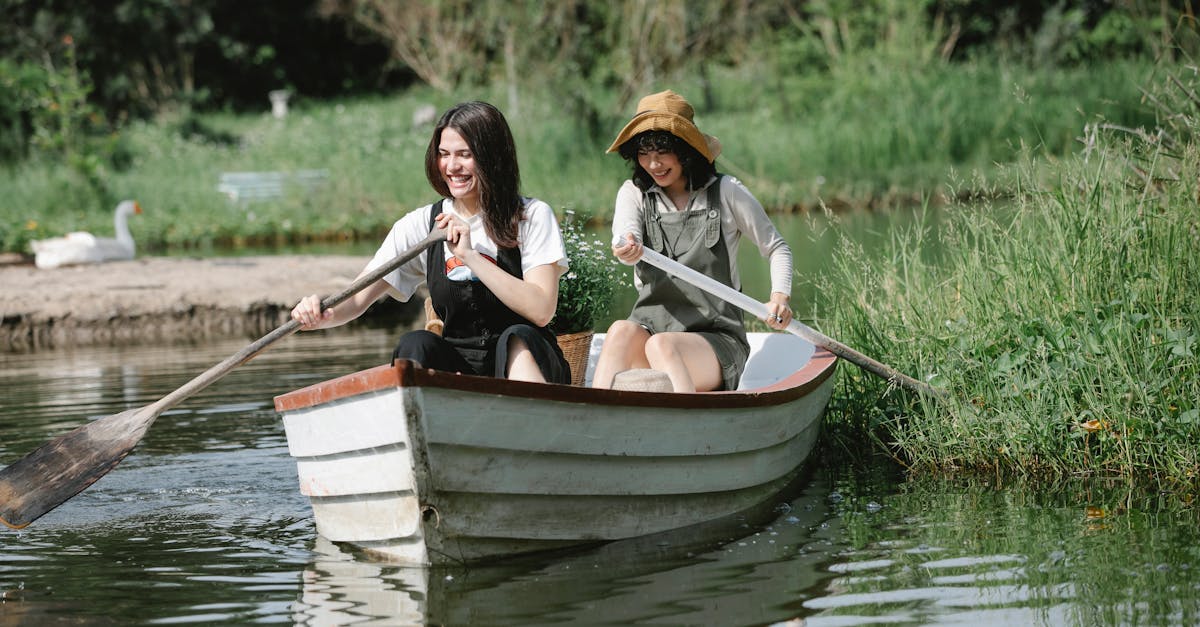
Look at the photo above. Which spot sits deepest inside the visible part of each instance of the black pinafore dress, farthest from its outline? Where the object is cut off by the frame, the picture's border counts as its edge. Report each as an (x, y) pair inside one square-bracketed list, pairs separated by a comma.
[(476, 321)]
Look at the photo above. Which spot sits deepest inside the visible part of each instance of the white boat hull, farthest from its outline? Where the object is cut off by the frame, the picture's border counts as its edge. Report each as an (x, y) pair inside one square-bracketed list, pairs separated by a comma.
[(424, 467)]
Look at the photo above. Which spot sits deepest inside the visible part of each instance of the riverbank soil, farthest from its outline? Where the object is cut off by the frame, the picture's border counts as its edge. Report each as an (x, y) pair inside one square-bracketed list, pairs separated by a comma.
[(156, 299)]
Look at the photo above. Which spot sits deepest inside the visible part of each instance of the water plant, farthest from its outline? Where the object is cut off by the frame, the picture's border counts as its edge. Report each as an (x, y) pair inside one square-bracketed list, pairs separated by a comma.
[(1064, 323)]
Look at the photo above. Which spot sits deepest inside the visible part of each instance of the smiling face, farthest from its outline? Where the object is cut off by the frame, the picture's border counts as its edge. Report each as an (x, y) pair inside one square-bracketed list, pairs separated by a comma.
[(456, 163), (664, 167)]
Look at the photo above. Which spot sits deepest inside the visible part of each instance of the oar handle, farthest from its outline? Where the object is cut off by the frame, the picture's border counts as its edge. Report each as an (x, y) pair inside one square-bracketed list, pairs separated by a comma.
[(734, 297), (206, 378)]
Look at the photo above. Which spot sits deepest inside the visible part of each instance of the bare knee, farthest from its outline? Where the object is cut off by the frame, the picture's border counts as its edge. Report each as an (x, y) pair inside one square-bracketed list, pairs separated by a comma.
[(623, 330), (516, 344), (622, 349), (661, 349), (521, 364), (627, 338)]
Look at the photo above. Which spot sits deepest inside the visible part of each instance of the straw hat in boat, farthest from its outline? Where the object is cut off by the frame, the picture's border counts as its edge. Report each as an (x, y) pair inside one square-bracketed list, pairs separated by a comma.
[(642, 380)]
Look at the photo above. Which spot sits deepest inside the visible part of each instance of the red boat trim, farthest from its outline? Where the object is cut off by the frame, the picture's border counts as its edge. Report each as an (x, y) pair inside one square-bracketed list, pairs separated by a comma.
[(404, 373)]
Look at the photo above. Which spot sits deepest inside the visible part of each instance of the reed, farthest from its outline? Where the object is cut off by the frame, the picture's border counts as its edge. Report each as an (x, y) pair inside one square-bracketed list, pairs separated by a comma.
[(874, 134), (1063, 323)]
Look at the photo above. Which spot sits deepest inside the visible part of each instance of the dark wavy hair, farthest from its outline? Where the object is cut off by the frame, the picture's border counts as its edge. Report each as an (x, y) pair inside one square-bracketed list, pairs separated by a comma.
[(496, 172), (696, 168)]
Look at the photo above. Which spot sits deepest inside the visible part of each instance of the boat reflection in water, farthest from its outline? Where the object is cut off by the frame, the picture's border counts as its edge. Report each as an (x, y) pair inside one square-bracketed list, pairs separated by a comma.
[(724, 572)]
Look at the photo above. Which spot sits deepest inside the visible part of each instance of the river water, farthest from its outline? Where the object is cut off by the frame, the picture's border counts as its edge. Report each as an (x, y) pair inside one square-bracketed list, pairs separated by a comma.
[(204, 524)]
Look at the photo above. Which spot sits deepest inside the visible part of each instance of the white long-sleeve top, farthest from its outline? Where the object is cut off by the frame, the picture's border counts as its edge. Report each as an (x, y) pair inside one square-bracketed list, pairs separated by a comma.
[(742, 215)]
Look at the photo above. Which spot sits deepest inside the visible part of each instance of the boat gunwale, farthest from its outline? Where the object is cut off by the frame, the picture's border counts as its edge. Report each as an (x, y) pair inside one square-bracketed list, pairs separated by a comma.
[(406, 373)]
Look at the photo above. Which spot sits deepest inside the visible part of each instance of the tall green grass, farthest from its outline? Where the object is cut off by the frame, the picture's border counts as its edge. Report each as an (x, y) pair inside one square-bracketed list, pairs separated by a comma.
[(868, 134), (1063, 325)]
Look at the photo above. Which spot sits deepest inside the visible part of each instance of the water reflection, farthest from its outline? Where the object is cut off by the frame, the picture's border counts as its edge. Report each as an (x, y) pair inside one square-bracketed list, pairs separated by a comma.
[(1024, 553), (50, 392), (725, 573), (204, 523)]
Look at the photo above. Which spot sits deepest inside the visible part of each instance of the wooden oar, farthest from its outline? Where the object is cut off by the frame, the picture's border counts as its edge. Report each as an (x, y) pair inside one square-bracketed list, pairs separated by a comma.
[(66, 465), (734, 297)]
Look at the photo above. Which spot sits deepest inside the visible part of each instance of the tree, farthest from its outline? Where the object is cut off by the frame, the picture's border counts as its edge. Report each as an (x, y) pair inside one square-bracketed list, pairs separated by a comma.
[(439, 41)]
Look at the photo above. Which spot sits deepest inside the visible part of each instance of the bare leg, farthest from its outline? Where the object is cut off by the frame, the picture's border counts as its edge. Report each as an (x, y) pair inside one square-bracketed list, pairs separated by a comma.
[(624, 348), (687, 358), (521, 364)]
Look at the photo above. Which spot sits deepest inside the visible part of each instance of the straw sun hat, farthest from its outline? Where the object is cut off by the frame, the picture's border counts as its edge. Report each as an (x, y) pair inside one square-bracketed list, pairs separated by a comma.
[(670, 112)]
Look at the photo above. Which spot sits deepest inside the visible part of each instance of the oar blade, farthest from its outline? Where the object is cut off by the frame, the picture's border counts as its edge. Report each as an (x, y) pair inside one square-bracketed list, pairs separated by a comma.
[(67, 464)]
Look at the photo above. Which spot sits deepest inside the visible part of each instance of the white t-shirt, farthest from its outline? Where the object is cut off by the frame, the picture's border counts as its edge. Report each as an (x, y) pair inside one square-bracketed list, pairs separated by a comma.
[(538, 237), (743, 215)]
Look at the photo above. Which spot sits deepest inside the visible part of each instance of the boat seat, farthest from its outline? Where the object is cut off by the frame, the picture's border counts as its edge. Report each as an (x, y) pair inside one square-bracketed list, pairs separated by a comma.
[(773, 356)]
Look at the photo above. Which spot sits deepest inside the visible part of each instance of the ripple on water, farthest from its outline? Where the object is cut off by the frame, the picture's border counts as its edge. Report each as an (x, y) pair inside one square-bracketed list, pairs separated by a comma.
[(204, 523)]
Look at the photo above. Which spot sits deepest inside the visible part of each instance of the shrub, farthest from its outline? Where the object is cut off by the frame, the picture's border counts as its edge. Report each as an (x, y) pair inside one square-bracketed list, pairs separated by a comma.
[(587, 289)]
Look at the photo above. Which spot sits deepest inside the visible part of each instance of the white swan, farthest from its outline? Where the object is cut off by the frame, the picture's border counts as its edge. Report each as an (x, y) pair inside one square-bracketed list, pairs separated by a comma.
[(80, 248)]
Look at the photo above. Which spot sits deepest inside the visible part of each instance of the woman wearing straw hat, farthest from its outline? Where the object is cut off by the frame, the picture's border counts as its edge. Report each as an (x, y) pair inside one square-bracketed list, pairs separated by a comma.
[(494, 283), (679, 205)]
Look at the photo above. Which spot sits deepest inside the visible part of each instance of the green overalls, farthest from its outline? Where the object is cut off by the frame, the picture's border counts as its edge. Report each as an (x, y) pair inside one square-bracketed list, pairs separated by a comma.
[(693, 238)]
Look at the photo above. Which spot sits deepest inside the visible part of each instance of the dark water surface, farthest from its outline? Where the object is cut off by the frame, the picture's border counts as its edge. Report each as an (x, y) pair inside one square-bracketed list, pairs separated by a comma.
[(204, 524)]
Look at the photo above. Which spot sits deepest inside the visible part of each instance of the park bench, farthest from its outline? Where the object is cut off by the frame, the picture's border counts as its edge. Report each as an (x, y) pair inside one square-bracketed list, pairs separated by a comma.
[(243, 187)]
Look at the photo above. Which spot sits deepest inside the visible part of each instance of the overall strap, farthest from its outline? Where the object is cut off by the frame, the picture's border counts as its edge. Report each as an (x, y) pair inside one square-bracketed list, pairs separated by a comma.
[(713, 231), (434, 211), (651, 222), (653, 231), (434, 254)]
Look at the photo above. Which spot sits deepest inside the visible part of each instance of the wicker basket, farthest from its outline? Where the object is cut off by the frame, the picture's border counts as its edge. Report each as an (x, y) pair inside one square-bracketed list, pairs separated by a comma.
[(576, 347)]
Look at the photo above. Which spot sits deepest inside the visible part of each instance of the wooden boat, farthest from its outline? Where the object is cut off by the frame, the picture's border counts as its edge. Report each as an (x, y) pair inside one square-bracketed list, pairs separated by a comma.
[(424, 467)]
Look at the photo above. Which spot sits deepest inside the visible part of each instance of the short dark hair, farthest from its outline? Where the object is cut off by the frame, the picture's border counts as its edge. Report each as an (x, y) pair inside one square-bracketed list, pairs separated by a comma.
[(696, 168), (498, 175)]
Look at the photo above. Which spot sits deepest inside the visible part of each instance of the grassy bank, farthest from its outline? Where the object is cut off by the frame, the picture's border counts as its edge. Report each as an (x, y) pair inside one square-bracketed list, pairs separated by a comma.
[(866, 133), (1064, 327)]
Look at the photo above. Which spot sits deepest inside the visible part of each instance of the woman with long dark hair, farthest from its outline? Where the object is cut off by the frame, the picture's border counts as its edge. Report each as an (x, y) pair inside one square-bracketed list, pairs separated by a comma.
[(494, 283)]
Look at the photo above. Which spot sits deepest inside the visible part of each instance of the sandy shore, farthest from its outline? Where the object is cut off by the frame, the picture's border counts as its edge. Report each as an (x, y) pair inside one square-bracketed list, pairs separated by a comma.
[(153, 299)]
